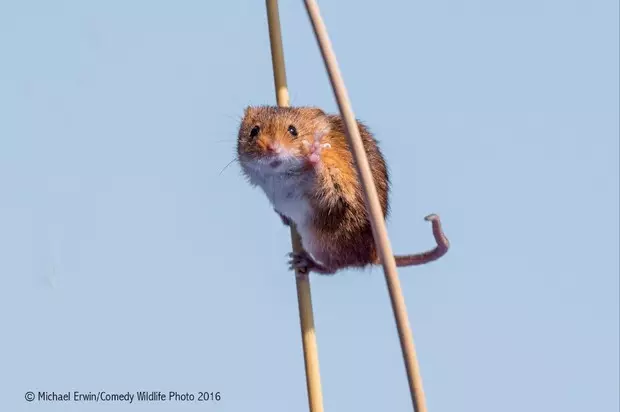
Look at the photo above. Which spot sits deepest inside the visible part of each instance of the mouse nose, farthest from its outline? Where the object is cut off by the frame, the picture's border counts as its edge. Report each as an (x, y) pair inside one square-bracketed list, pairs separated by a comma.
[(274, 147)]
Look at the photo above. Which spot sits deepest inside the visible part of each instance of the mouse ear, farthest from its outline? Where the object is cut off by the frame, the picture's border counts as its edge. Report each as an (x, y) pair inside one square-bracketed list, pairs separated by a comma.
[(248, 110), (316, 111)]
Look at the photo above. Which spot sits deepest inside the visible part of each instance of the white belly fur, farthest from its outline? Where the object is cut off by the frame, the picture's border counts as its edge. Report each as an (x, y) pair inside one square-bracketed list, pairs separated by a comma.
[(287, 197), (287, 194)]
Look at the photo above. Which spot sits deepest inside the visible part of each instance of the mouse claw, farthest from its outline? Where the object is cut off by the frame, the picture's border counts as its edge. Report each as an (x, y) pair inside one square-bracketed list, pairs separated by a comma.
[(298, 261), (301, 263)]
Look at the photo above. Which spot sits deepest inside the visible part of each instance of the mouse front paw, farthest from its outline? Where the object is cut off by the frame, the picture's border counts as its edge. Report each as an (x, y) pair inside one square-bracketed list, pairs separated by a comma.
[(315, 148)]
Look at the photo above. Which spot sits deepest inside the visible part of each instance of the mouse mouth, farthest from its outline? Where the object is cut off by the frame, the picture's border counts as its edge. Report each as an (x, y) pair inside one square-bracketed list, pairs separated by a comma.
[(275, 163), (272, 160)]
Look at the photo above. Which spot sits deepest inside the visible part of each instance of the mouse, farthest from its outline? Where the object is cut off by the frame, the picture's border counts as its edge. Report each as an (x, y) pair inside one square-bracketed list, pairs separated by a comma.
[(300, 158)]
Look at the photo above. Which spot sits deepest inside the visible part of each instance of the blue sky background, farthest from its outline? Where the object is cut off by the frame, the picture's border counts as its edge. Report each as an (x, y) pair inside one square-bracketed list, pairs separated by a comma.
[(128, 262)]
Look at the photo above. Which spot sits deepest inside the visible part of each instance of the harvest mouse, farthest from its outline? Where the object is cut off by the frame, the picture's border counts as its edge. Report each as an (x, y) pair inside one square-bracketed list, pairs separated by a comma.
[(300, 158)]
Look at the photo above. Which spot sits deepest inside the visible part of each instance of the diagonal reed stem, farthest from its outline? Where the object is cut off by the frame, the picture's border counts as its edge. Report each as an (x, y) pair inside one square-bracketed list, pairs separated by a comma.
[(374, 208)]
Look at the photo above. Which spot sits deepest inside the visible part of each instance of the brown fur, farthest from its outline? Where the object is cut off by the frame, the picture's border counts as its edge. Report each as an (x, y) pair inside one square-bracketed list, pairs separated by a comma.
[(340, 221), (341, 216)]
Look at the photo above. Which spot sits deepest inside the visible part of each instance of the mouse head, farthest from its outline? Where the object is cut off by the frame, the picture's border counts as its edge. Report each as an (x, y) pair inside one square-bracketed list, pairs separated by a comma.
[(271, 139)]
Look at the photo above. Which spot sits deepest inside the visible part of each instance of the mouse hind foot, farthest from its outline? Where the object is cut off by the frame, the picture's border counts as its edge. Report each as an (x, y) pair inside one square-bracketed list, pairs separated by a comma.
[(303, 262)]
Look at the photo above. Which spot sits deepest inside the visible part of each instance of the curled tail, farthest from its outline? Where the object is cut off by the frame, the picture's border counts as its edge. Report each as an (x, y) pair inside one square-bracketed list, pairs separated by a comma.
[(430, 255)]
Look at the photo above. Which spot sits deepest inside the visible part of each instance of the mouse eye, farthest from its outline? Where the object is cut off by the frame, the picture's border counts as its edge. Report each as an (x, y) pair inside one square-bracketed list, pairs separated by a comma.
[(254, 132), (292, 130)]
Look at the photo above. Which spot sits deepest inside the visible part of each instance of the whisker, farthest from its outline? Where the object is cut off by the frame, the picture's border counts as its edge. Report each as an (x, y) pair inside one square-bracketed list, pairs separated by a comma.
[(229, 163), (235, 117)]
